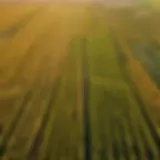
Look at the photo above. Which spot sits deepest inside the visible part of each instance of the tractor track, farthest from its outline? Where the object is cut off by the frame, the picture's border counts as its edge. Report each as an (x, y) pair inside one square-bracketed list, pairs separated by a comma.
[(86, 114)]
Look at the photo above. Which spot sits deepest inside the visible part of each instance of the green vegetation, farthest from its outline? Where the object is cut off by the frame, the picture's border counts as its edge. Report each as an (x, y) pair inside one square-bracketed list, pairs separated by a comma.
[(118, 128)]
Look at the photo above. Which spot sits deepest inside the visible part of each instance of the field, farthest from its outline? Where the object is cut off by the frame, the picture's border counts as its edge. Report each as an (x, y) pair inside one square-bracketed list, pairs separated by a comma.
[(142, 58), (75, 84)]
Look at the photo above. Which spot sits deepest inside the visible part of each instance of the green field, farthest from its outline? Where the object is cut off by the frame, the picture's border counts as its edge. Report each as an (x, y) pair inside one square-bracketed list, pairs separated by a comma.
[(115, 114)]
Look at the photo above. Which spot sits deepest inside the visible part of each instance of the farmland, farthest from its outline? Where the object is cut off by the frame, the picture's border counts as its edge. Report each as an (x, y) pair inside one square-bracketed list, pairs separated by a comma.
[(142, 56), (74, 86)]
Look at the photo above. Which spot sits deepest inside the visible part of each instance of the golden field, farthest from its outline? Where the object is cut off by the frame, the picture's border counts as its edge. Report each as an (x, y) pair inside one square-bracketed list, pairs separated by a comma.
[(63, 90), (12, 14), (32, 57), (38, 47), (46, 35)]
